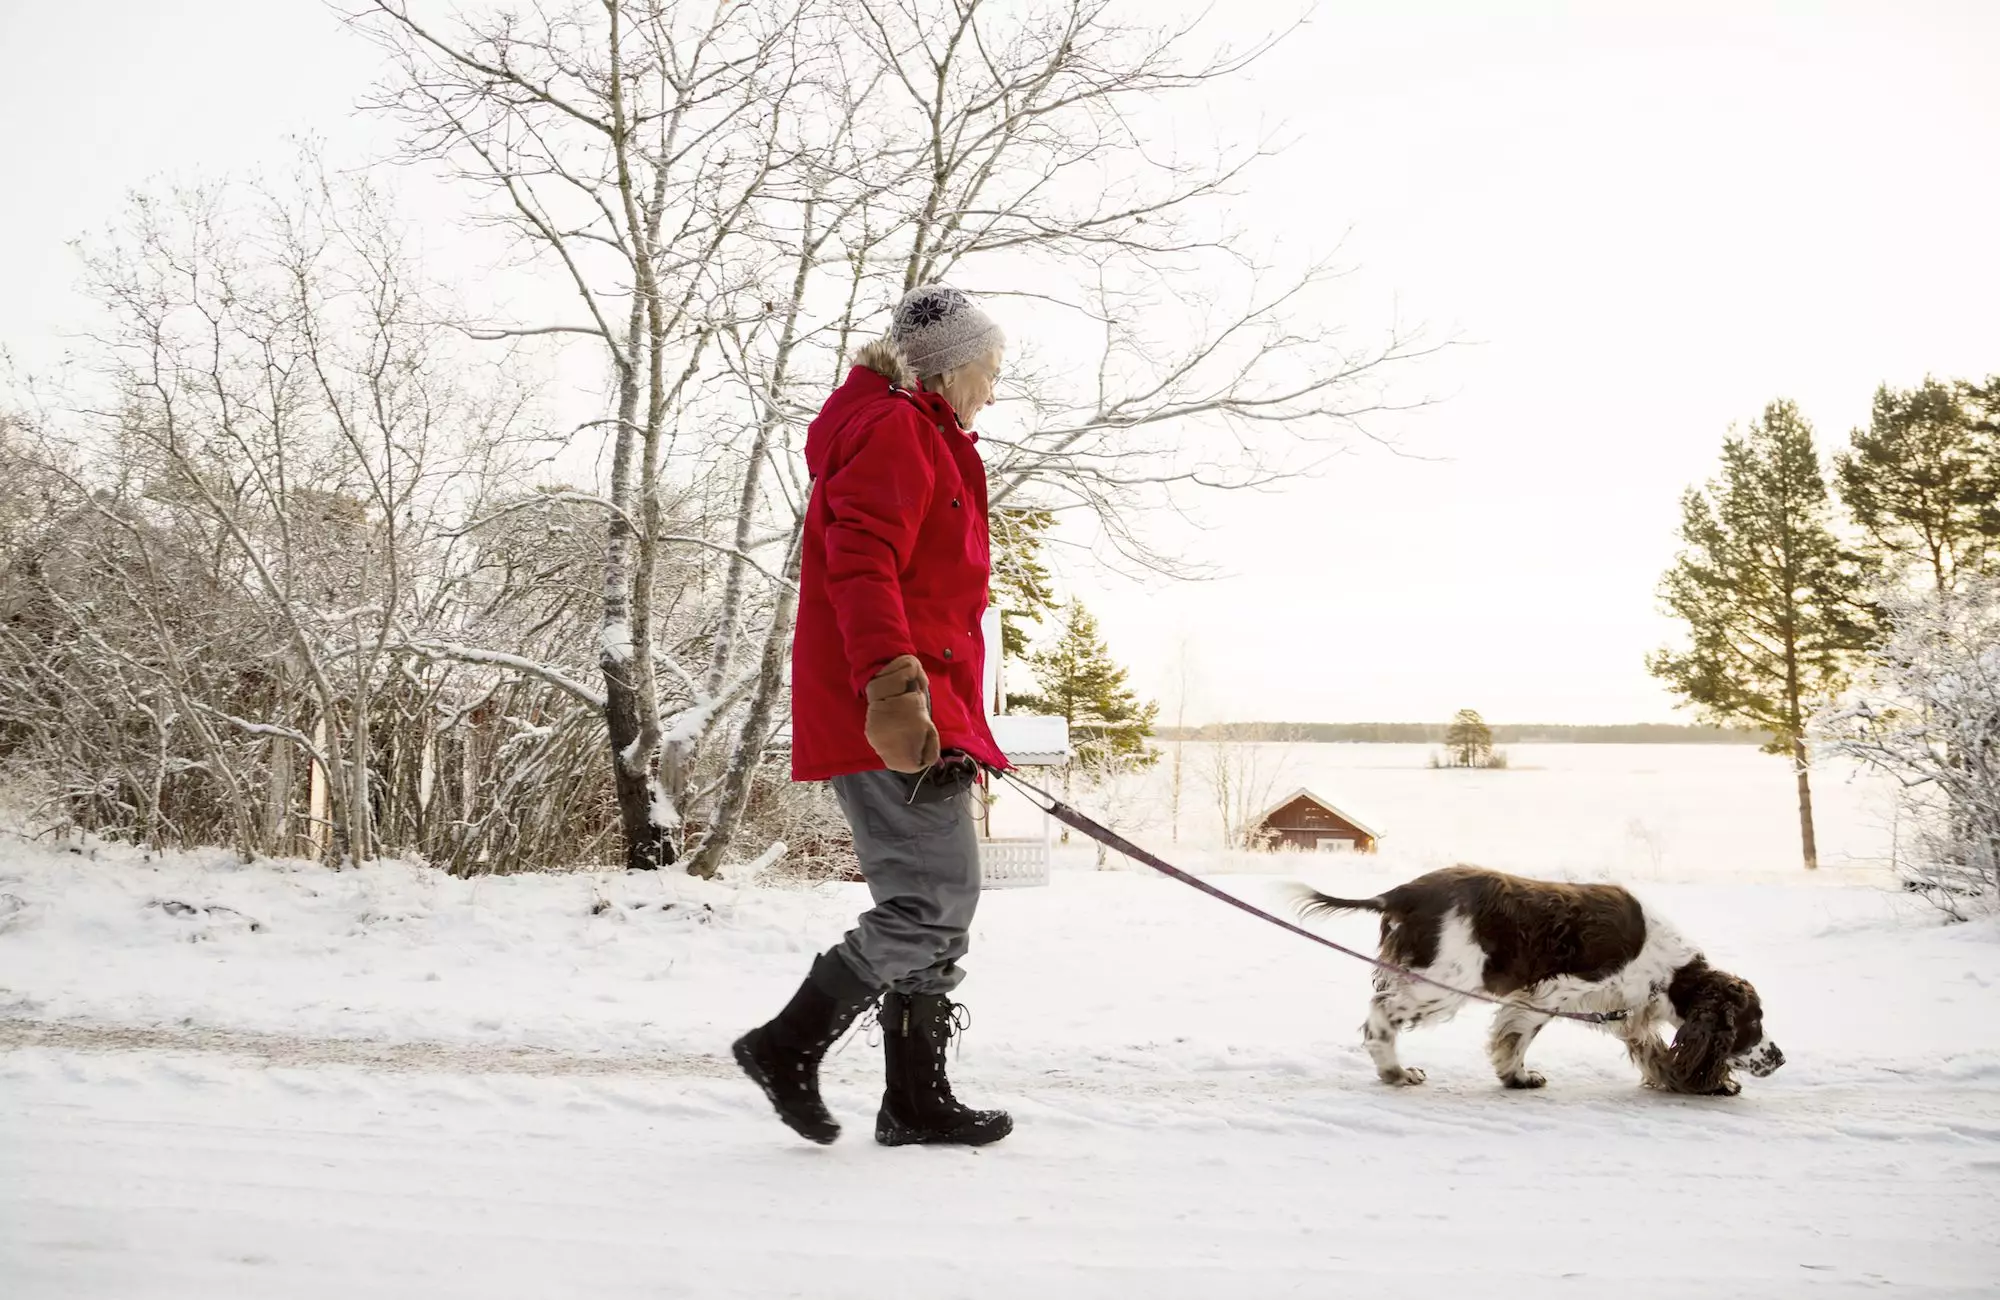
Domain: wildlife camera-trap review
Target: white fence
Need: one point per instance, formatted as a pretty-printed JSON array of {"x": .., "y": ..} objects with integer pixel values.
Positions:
[{"x": 1011, "y": 864}]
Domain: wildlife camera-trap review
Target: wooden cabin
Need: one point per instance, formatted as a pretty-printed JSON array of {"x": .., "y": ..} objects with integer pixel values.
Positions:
[{"x": 1302, "y": 820}]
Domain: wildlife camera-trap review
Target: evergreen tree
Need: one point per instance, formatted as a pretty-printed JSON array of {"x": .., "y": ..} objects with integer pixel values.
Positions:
[
  {"x": 1916, "y": 481},
  {"x": 1469, "y": 740},
  {"x": 1981, "y": 403},
  {"x": 1021, "y": 586},
  {"x": 1083, "y": 685},
  {"x": 1770, "y": 600}
]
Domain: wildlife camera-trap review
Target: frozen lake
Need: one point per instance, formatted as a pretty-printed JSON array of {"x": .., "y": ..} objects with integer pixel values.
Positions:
[{"x": 1629, "y": 811}]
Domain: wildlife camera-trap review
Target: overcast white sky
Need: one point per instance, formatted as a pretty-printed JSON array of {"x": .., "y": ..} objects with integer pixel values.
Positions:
[{"x": 1652, "y": 218}]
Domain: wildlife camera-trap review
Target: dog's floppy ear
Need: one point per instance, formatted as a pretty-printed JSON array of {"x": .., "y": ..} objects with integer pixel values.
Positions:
[
  {"x": 1698, "y": 1062},
  {"x": 1709, "y": 1003}
]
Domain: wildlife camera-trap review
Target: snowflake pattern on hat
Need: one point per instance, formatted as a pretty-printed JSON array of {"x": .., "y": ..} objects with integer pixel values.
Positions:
[
  {"x": 939, "y": 328},
  {"x": 929, "y": 307}
]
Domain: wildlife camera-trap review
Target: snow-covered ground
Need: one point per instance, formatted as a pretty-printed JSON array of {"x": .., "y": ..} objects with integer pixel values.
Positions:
[{"x": 274, "y": 1080}]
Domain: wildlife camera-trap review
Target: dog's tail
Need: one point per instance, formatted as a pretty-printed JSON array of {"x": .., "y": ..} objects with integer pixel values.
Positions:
[{"x": 1310, "y": 902}]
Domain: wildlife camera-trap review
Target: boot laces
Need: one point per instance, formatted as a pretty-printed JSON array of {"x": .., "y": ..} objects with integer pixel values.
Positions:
[
  {"x": 866, "y": 1021},
  {"x": 957, "y": 1019}
]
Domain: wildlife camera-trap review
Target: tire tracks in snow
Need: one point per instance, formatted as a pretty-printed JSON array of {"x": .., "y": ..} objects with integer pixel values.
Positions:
[
  {"x": 288, "y": 1050},
  {"x": 1114, "y": 1093},
  {"x": 1103, "y": 1082},
  {"x": 1116, "y": 1077},
  {"x": 1931, "y": 1110}
]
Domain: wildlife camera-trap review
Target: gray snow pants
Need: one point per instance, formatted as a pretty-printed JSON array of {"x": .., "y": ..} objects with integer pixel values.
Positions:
[{"x": 921, "y": 862}]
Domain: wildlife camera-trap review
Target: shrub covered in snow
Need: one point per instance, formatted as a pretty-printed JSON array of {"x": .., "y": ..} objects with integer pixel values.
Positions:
[{"x": 1930, "y": 718}]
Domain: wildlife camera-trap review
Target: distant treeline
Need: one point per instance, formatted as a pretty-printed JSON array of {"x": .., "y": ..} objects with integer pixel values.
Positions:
[{"x": 1427, "y": 733}]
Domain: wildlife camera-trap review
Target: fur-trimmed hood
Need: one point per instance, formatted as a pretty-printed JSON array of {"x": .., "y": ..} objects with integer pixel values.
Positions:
[
  {"x": 887, "y": 360},
  {"x": 866, "y": 397}
]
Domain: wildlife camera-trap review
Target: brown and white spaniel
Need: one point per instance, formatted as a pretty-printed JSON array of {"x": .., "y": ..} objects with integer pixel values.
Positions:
[{"x": 1545, "y": 946}]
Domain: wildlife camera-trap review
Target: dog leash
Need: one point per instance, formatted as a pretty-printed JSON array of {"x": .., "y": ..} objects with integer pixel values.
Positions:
[{"x": 1111, "y": 839}]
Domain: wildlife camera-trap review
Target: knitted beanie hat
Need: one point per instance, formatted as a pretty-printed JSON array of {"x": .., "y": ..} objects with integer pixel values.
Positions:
[{"x": 939, "y": 329}]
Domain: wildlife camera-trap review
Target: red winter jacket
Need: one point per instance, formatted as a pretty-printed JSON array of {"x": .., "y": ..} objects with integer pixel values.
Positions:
[{"x": 896, "y": 562}]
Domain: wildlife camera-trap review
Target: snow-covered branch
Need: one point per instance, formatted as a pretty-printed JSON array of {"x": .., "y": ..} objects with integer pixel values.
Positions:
[
  {"x": 500, "y": 659},
  {"x": 1930, "y": 719}
]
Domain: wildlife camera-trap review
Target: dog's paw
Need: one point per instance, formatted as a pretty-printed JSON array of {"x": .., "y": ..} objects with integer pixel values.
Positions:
[
  {"x": 1403, "y": 1076},
  {"x": 1526, "y": 1079},
  {"x": 1729, "y": 1088}
]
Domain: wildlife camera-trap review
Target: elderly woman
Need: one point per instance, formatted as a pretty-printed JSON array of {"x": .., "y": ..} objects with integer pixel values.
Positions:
[{"x": 886, "y": 674}]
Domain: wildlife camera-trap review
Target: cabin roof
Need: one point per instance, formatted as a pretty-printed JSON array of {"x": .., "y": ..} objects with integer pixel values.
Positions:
[{"x": 1303, "y": 793}]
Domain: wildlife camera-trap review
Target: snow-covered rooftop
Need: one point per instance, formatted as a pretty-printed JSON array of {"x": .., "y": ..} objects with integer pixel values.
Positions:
[
  {"x": 1303, "y": 793},
  {"x": 1031, "y": 740}
]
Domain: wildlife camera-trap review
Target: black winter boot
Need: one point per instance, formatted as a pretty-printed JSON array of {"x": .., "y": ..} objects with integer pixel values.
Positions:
[
  {"x": 783, "y": 1055},
  {"x": 917, "y": 1106}
]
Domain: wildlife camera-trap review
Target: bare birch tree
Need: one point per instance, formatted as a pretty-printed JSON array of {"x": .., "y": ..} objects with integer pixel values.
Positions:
[
  {"x": 731, "y": 197},
  {"x": 1183, "y": 686},
  {"x": 1209, "y": 370},
  {"x": 625, "y": 141},
  {"x": 1243, "y": 778}
]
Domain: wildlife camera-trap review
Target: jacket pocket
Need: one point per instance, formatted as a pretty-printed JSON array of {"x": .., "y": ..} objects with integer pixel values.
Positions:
[{"x": 941, "y": 644}]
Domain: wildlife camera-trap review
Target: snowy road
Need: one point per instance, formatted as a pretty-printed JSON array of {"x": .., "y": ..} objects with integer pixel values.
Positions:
[{"x": 241, "y": 1170}]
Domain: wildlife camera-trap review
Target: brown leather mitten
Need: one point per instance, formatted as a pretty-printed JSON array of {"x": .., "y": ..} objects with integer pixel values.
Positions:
[{"x": 899, "y": 723}]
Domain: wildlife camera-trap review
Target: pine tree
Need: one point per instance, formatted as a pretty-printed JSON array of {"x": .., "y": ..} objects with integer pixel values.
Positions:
[
  {"x": 1081, "y": 683},
  {"x": 1021, "y": 586},
  {"x": 1469, "y": 740},
  {"x": 1770, "y": 600},
  {"x": 1981, "y": 403},
  {"x": 1916, "y": 481}
]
